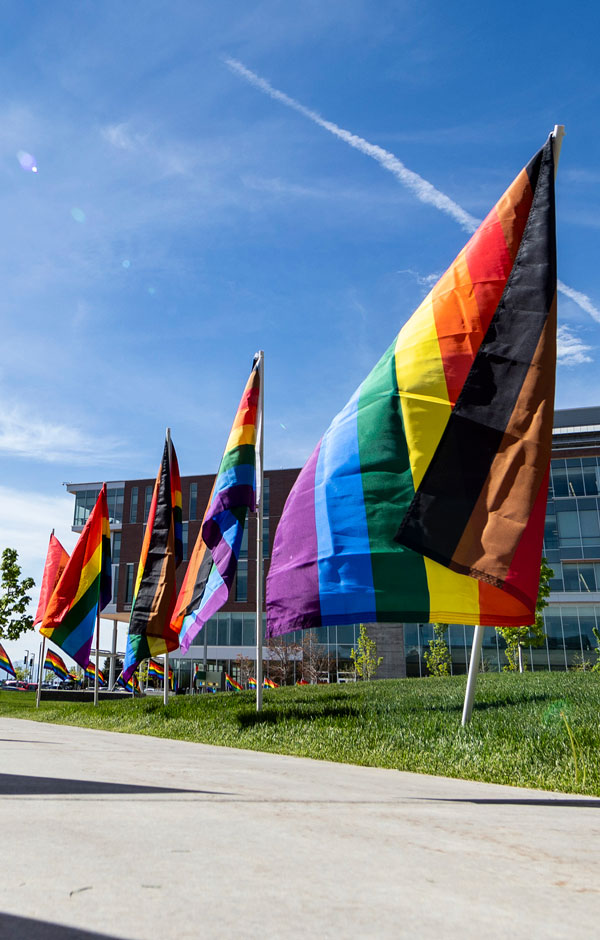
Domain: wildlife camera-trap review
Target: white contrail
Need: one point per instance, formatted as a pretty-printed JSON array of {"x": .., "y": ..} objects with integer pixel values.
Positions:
[
  {"x": 422, "y": 188},
  {"x": 582, "y": 300}
]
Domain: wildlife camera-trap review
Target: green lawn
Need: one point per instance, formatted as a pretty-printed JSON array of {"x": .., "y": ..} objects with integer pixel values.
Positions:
[{"x": 535, "y": 730}]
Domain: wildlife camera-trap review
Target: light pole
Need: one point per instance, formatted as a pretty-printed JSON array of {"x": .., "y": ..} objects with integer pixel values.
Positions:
[{"x": 26, "y": 664}]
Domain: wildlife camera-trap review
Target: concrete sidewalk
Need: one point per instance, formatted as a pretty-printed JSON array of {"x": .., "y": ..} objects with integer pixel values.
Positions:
[{"x": 137, "y": 837}]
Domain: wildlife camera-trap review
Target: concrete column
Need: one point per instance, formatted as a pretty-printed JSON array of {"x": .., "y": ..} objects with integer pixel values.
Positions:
[{"x": 390, "y": 644}]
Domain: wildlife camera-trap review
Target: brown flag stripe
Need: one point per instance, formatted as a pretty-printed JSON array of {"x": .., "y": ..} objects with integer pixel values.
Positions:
[{"x": 472, "y": 506}]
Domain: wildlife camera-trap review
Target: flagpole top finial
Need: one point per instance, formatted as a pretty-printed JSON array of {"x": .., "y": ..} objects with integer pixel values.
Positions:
[{"x": 557, "y": 138}]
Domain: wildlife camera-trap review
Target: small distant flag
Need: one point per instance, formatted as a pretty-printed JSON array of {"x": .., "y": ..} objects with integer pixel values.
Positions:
[
  {"x": 269, "y": 684},
  {"x": 84, "y": 588},
  {"x": 156, "y": 669},
  {"x": 90, "y": 673},
  {"x": 5, "y": 662},
  {"x": 132, "y": 685},
  {"x": 213, "y": 563},
  {"x": 231, "y": 685},
  {"x": 251, "y": 682},
  {"x": 55, "y": 663},
  {"x": 56, "y": 562},
  {"x": 150, "y": 630}
]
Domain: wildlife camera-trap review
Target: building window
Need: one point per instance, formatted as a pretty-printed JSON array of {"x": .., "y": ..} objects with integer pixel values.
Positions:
[
  {"x": 133, "y": 504},
  {"x": 129, "y": 582},
  {"x": 115, "y": 548},
  {"x": 84, "y": 503},
  {"x": 147, "y": 501},
  {"x": 241, "y": 581},
  {"x": 184, "y": 538},
  {"x": 193, "y": 501},
  {"x": 114, "y": 499}
]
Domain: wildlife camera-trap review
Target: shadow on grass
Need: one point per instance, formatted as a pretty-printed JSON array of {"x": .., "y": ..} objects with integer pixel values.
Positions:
[
  {"x": 297, "y": 712},
  {"x": 508, "y": 702}
]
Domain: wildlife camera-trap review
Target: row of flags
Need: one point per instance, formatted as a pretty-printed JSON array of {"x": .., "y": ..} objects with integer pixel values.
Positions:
[
  {"x": 425, "y": 498},
  {"x": 76, "y": 589},
  {"x": 232, "y": 685}
]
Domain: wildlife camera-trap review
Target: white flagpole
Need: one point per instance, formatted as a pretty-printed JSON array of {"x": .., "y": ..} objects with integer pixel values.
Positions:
[
  {"x": 97, "y": 654},
  {"x": 472, "y": 679},
  {"x": 260, "y": 365},
  {"x": 166, "y": 655},
  {"x": 111, "y": 668},
  {"x": 557, "y": 137},
  {"x": 42, "y": 658},
  {"x": 42, "y": 661}
]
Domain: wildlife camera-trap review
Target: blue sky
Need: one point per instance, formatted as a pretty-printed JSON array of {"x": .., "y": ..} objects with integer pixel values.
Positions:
[{"x": 182, "y": 215}]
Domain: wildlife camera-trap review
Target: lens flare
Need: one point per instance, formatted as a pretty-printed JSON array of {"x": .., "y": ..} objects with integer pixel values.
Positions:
[
  {"x": 27, "y": 161},
  {"x": 78, "y": 214}
]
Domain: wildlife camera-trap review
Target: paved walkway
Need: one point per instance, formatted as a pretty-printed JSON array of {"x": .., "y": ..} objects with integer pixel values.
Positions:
[{"x": 136, "y": 837}]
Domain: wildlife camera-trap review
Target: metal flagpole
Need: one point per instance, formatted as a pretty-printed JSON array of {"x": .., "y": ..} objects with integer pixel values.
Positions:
[
  {"x": 557, "y": 137},
  {"x": 111, "y": 668},
  {"x": 42, "y": 661},
  {"x": 97, "y": 654},
  {"x": 472, "y": 679},
  {"x": 166, "y": 654},
  {"x": 260, "y": 365}
]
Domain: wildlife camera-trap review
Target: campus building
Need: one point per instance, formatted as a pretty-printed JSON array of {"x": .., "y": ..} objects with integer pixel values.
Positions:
[{"x": 571, "y": 545}]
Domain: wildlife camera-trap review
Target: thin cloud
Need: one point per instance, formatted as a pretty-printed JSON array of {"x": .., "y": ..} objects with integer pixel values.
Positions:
[
  {"x": 571, "y": 350},
  {"x": 424, "y": 280},
  {"x": 422, "y": 188},
  {"x": 24, "y": 436},
  {"x": 582, "y": 300}
]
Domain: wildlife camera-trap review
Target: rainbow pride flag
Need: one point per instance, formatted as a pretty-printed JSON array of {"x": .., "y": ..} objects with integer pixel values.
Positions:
[
  {"x": 84, "y": 588},
  {"x": 157, "y": 669},
  {"x": 425, "y": 499},
  {"x": 252, "y": 683},
  {"x": 56, "y": 664},
  {"x": 132, "y": 685},
  {"x": 56, "y": 562},
  {"x": 213, "y": 563},
  {"x": 150, "y": 630},
  {"x": 176, "y": 503},
  {"x": 5, "y": 662},
  {"x": 269, "y": 684},
  {"x": 231, "y": 685},
  {"x": 90, "y": 673}
]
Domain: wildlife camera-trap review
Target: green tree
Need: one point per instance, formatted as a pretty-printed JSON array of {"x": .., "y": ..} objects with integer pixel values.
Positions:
[
  {"x": 518, "y": 637},
  {"x": 365, "y": 659},
  {"x": 14, "y": 599},
  {"x": 596, "y": 666},
  {"x": 437, "y": 656}
]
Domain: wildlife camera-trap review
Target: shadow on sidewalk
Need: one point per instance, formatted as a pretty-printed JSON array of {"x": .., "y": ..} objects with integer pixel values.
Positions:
[
  {"x": 22, "y": 785},
  {"x": 12, "y": 926},
  {"x": 519, "y": 801}
]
